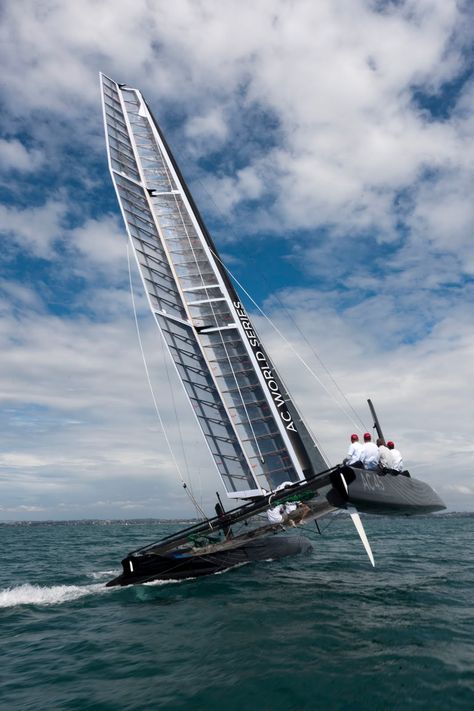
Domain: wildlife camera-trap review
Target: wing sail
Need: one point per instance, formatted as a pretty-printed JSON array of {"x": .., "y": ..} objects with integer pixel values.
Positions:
[{"x": 248, "y": 423}]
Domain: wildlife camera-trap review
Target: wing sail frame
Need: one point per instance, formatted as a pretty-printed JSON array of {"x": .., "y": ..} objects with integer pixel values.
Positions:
[{"x": 245, "y": 420}]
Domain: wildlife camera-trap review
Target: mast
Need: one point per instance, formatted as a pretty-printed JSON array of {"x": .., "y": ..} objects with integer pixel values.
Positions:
[
  {"x": 376, "y": 421},
  {"x": 246, "y": 417}
]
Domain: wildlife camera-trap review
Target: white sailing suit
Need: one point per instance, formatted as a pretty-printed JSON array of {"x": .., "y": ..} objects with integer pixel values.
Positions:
[
  {"x": 369, "y": 455},
  {"x": 385, "y": 457},
  {"x": 353, "y": 453},
  {"x": 397, "y": 460},
  {"x": 276, "y": 514}
]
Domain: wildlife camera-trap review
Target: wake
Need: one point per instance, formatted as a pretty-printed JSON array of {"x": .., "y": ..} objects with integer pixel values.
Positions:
[{"x": 27, "y": 594}]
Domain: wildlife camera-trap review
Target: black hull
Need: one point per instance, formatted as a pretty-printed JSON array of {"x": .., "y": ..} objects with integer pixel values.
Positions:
[
  {"x": 176, "y": 565},
  {"x": 388, "y": 493},
  {"x": 186, "y": 554}
]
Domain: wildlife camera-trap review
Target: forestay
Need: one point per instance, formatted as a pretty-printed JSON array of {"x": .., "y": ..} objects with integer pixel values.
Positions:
[{"x": 252, "y": 429}]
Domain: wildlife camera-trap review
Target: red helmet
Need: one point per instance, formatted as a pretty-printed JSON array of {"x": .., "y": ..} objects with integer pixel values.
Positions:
[
  {"x": 354, "y": 438},
  {"x": 390, "y": 445},
  {"x": 367, "y": 437}
]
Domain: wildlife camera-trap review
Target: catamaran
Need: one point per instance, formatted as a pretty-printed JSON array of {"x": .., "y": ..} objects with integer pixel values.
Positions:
[{"x": 264, "y": 453}]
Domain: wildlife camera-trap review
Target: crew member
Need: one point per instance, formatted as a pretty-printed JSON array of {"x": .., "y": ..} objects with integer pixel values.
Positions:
[
  {"x": 385, "y": 455},
  {"x": 290, "y": 513},
  {"x": 281, "y": 514},
  {"x": 297, "y": 511},
  {"x": 369, "y": 454},
  {"x": 353, "y": 453},
  {"x": 276, "y": 514},
  {"x": 396, "y": 457}
]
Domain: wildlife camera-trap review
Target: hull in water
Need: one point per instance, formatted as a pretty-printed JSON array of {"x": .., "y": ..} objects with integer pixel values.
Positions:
[
  {"x": 182, "y": 564},
  {"x": 375, "y": 492}
]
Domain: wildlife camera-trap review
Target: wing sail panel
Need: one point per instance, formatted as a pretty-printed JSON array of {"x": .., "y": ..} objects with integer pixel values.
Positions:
[{"x": 238, "y": 404}]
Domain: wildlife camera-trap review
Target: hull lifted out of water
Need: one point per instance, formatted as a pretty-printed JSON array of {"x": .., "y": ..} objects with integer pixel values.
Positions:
[
  {"x": 389, "y": 492},
  {"x": 256, "y": 436}
]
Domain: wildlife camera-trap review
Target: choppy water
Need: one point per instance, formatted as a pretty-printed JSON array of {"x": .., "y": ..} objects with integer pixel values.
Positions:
[{"x": 323, "y": 631}]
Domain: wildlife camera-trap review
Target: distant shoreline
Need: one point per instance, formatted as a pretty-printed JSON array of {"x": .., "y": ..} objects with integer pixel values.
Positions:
[
  {"x": 179, "y": 521},
  {"x": 103, "y": 521}
]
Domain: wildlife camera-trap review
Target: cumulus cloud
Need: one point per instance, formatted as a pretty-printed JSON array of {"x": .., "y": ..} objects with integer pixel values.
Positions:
[
  {"x": 340, "y": 81},
  {"x": 34, "y": 229},
  {"x": 77, "y": 387},
  {"x": 345, "y": 128},
  {"x": 15, "y": 156},
  {"x": 20, "y": 460},
  {"x": 247, "y": 184},
  {"x": 207, "y": 132},
  {"x": 443, "y": 217},
  {"x": 101, "y": 241},
  {"x": 418, "y": 388},
  {"x": 14, "y": 295}
]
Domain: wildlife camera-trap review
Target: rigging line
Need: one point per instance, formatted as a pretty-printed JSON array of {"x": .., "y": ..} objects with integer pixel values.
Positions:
[
  {"x": 173, "y": 401},
  {"x": 331, "y": 520},
  {"x": 316, "y": 441},
  {"x": 277, "y": 330},
  {"x": 311, "y": 347},
  {"x": 185, "y": 485},
  {"x": 262, "y": 459},
  {"x": 320, "y": 361},
  {"x": 324, "y": 454},
  {"x": 200, "y": 485},
  {"x": 189, "y": 493}
]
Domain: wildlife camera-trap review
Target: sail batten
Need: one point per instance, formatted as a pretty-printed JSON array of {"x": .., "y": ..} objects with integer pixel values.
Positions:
[{"x": 235, "y": 393}]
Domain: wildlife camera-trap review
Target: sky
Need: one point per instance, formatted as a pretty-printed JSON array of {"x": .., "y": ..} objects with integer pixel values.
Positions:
[{"x": 329, "y": 146}]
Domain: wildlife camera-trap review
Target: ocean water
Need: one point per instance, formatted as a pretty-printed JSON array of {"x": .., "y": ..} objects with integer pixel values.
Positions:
[{"x": 322, "y": 631}]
